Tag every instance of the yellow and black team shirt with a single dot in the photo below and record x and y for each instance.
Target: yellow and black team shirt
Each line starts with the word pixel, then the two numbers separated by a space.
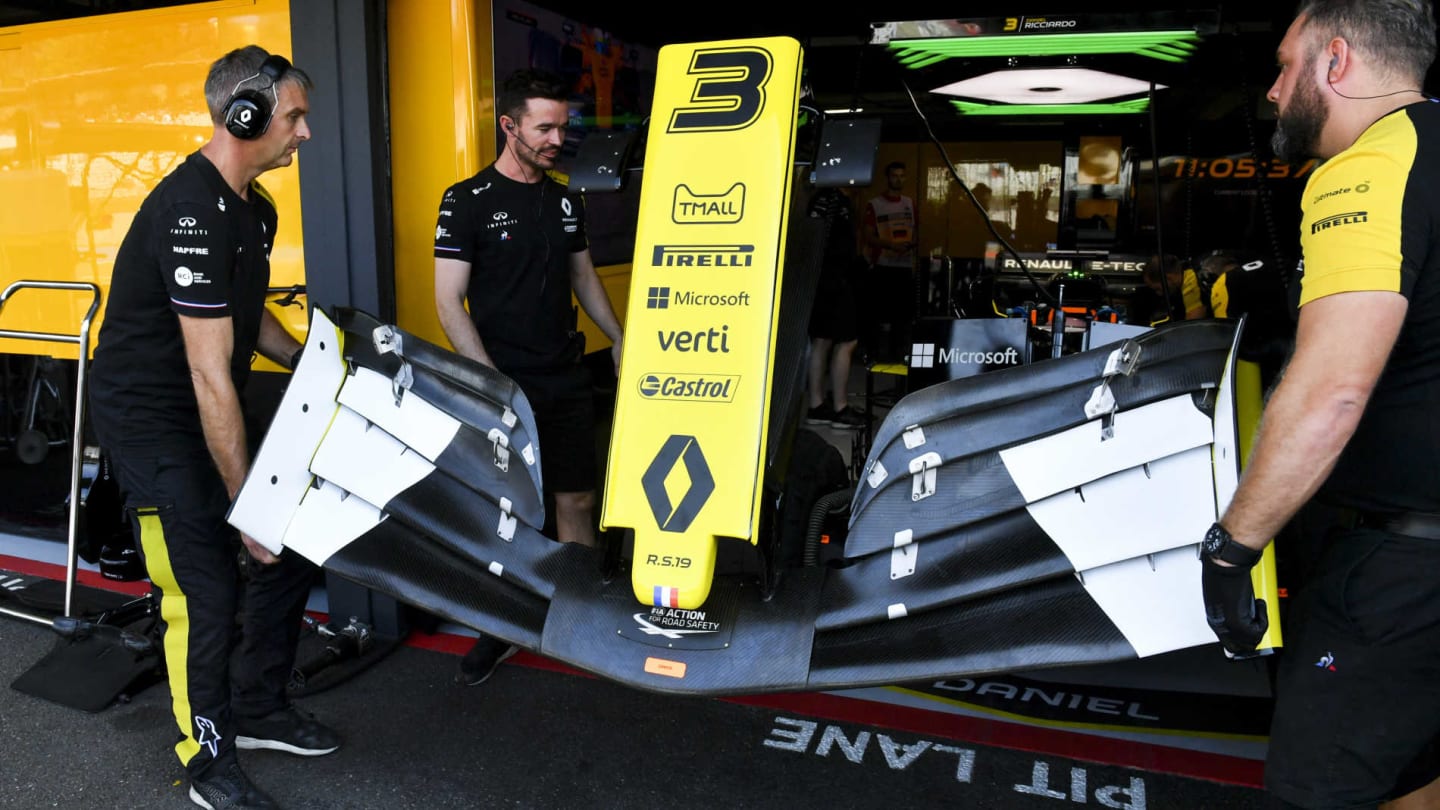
pixel 1371 221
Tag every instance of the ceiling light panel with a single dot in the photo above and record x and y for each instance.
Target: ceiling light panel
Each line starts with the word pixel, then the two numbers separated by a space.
pixel 1046 86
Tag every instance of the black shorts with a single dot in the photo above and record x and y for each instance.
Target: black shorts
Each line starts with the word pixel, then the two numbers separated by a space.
pixel 1358 692
pixel 834 316
pixel 564 407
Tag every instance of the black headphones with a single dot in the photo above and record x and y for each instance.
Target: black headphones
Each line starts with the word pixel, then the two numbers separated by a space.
pixel 249 110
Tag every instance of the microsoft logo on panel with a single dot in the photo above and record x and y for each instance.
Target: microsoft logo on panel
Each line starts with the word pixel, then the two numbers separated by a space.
pixel 922 355
pixel 658 298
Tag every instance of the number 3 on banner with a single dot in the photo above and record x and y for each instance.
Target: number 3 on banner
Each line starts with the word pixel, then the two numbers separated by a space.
pixel 729 90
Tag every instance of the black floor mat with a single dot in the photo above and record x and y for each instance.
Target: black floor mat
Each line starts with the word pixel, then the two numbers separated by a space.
pixel 93 672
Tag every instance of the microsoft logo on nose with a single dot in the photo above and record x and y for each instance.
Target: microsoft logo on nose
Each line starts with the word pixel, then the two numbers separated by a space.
pixel 658 298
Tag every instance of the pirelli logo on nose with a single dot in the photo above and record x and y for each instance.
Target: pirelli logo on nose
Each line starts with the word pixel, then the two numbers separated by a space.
pixel 678 483
pixel 703 255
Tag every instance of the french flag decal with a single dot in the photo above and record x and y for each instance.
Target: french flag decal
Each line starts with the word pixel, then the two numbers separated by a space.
pixel 667 597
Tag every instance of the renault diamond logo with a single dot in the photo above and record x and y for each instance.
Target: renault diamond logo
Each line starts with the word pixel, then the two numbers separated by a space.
pixel 677 483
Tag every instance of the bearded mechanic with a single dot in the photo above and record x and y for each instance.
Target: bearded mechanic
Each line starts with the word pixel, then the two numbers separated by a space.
pixel 1352 421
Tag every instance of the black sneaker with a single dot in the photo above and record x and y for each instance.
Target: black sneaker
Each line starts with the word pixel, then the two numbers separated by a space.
pixel 289 730
pixel 819 415
pixel 479 664
pixel 847 419
pixel 231 789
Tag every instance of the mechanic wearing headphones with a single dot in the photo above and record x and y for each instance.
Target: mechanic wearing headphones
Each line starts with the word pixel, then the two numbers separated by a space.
pixel 1352 421
pixel 186 313
pixel 511 243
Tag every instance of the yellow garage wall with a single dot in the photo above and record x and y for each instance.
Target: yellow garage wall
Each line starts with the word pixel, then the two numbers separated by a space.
pixel 94 112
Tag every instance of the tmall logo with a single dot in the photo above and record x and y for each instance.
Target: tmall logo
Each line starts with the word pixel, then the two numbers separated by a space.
pixel 708 209
pixel 664 298
pixel 677 483
pixel 925 355
pixel 689 387
pixel 703 255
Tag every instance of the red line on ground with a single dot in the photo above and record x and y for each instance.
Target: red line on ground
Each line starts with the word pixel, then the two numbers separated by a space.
pixel 91 579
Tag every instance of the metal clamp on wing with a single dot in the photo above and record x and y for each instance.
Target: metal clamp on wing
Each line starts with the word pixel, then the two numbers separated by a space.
pixel 922 476
pixel 902 558
pixel 506 527
pixel 401 382
pixel 387 340
pixel 500 444
pixel 1122 361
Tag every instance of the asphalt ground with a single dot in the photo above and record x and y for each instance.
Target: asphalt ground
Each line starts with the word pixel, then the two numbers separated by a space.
pixel 533 737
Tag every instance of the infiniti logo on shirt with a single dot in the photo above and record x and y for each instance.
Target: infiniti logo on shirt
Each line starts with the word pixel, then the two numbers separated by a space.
pixel 499 215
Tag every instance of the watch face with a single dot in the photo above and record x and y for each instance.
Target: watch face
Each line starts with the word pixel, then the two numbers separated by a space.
pixel 1214 539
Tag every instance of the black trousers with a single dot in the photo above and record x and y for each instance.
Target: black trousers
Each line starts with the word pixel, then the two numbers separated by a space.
pixel 213 618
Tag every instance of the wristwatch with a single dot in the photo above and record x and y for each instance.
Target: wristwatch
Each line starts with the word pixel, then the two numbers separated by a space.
pixel 1219 545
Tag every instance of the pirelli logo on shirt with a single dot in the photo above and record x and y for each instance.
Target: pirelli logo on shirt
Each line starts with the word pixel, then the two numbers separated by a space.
pixel 1339 220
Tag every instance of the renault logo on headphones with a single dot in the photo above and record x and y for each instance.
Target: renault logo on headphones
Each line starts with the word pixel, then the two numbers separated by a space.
pixel 679 472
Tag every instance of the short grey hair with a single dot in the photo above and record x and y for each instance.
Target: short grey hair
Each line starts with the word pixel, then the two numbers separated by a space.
pixel 1398 35
pixel 230 70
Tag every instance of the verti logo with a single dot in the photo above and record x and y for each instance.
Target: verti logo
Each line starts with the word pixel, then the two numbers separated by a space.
pixel 713 341
pixel 690 208
pixel 702 255
pixel 677 483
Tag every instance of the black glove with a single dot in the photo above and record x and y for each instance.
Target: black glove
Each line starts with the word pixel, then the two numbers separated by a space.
pixel 1237 617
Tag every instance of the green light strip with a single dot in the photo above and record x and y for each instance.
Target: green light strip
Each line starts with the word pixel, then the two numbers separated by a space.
pixel 1117 108
pixel 1169 46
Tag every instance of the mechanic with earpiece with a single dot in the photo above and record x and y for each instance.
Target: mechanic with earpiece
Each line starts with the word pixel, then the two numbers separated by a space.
pixel 510 242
